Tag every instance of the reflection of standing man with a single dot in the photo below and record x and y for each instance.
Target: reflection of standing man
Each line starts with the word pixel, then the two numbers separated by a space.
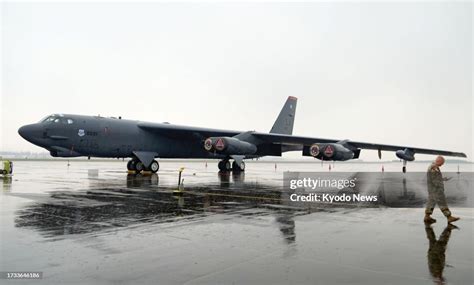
pixel 437 252
pixel 435 182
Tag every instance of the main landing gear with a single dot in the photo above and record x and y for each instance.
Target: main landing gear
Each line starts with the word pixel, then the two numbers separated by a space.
pixel 225 165
pixel 137 165
pixel 404 168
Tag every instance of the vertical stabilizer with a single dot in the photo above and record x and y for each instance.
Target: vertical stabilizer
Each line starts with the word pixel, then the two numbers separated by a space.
pixel 284 122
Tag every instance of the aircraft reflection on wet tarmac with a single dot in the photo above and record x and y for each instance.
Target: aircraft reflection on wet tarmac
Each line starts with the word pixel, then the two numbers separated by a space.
pixel 141 199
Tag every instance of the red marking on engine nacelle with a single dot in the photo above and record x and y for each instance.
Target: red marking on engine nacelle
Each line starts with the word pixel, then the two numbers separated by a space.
pixel 220 145
pixel 329 151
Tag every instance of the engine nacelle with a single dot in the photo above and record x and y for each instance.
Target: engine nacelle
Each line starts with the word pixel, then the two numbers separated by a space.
pixel 330 151
pixel 406 154
pixel 229 145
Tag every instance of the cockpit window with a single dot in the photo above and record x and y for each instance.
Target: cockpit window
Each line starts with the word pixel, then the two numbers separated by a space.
pixel 43 120
pixel 57 119
pixel 48 119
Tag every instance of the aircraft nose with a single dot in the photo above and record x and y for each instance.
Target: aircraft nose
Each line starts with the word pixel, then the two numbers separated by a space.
pixel 23 131
pixel 29 132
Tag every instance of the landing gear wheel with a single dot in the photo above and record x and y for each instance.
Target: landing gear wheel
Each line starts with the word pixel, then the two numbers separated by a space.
pixel 139 166
pixel 237 168
pixel 131 165
pixel 154 166
pixel 404 169
pixel 224 165
pixel 221 165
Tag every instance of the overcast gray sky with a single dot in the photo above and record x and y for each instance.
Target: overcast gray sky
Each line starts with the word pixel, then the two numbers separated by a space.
pixel 397 73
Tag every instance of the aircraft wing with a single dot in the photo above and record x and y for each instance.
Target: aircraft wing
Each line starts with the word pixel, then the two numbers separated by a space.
pixel 287 142
pixel 299 140
pixel 184 132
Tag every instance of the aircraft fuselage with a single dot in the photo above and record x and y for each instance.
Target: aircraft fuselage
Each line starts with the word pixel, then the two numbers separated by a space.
pixel 75 135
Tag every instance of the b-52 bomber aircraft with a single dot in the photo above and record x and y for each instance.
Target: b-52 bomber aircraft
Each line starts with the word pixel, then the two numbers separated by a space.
pixel 94 136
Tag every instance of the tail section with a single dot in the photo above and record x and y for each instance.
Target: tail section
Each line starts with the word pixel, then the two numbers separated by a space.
pixel 284 122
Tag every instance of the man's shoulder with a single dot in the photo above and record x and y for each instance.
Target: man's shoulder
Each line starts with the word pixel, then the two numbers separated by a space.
pixel 433 168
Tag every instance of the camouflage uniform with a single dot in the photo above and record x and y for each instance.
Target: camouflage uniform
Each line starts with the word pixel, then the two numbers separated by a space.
pixel 436 191
pixel 437 251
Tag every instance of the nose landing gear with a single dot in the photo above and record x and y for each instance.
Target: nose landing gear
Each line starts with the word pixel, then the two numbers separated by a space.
pixel 154 166
pixel 131 165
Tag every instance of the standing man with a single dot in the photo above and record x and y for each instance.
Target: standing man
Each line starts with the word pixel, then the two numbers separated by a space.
pixel 436 192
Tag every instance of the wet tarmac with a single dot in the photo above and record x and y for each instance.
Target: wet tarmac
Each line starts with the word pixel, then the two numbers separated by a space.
pixel 91 223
